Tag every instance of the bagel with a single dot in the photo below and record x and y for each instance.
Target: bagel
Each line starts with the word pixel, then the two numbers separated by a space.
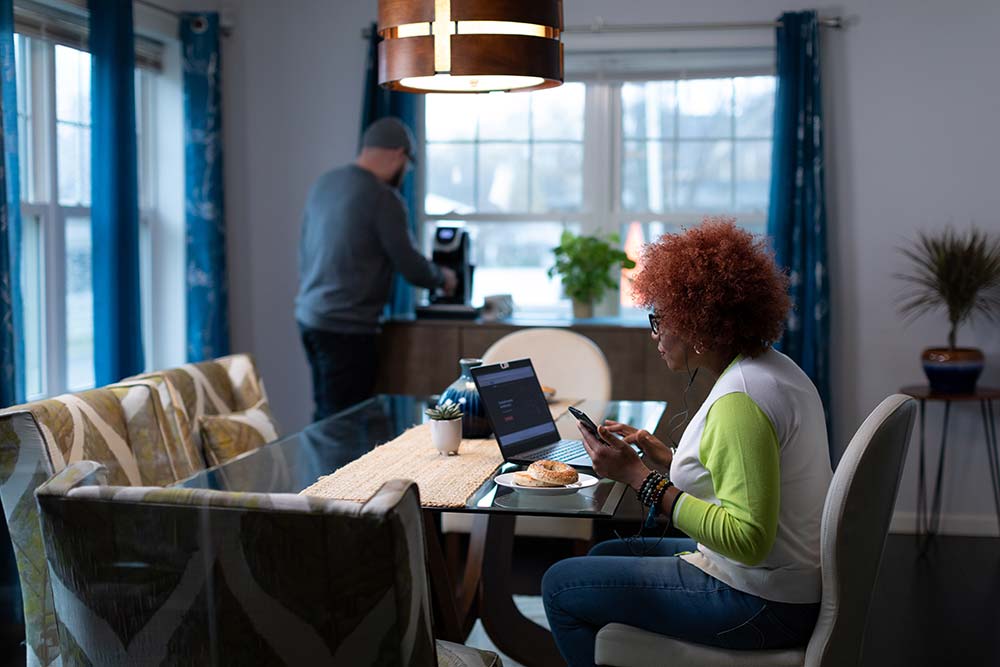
pixel 524 479
pixel 553 473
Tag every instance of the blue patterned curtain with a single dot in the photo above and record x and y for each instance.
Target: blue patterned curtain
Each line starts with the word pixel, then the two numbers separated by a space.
pixel 115 194
pixel 11 331
pixel 797 216
pixel 379 103
pixel 207 291
pixel 11 314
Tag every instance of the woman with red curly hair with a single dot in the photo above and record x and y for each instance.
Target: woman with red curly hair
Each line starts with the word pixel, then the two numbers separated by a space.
pixel 747 481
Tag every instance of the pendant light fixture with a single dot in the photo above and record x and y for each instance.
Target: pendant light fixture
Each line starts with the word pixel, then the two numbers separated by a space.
pixel 470 46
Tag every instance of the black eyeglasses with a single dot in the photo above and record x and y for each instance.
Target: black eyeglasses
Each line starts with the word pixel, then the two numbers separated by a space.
pixel 654 323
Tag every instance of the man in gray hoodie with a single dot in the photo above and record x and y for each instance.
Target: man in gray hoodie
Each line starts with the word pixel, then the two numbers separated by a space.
pixel 354 235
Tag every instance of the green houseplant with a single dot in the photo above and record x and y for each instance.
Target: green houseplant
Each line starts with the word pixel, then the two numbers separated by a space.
pixel 584 263
pixel 959 273
pixel 446 427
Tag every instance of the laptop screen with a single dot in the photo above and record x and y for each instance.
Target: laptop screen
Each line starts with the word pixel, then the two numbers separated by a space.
pixel 514 401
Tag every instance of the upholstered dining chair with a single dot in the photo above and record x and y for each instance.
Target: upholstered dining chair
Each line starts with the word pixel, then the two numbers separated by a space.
pixel 189 393
pixel 855 523
pixel 122 427
pixel 575 367
pixel 156 576
pixel 569 362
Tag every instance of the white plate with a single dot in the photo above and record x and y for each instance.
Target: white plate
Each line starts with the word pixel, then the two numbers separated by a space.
pixel 585 481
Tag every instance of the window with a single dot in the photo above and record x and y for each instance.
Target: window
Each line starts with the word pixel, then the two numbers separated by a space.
pixel 691 148
pixel 637 157
pixel 53 86
pixel 510 168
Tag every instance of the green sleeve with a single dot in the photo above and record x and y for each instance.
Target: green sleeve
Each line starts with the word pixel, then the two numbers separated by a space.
pixel 739 448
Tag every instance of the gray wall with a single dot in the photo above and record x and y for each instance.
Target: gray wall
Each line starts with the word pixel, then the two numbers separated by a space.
pixel 912 143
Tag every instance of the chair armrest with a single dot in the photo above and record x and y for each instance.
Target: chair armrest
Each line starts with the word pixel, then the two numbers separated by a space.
pixel 81 473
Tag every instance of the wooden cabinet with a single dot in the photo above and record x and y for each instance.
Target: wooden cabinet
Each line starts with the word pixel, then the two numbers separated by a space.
pixel 421 357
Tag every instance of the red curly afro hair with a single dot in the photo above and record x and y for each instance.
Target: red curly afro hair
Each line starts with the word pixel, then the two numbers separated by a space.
pixel 715 286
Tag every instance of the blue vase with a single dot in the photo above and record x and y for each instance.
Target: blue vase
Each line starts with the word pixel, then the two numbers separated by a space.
pixel 475 422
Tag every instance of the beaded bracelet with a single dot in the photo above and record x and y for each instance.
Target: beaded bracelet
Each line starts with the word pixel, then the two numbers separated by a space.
pixel 652 488
pixel 647 483
pixel 656 497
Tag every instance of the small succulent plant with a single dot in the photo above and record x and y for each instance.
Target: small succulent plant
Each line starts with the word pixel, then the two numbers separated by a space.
pixel 444 412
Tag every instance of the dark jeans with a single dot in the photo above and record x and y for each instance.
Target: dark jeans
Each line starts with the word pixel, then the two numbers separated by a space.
pixel 664 594
pixel 343 368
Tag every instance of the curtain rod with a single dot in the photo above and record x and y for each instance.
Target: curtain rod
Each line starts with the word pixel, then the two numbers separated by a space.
pixel 599 26
pixel 225 30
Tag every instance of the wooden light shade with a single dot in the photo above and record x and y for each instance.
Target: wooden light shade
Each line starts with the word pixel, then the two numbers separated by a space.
pixel 470 46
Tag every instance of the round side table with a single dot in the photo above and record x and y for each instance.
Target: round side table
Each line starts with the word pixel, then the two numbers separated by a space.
pixel 927 523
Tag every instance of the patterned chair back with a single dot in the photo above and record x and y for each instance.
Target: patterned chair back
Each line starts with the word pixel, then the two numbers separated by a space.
pixel 121 427
pixel 189 392
pixel 147 576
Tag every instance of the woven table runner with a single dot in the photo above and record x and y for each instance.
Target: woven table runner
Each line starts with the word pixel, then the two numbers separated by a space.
pixel 444 481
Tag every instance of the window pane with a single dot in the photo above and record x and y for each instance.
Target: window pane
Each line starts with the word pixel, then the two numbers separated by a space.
pixel 69 142
pixel 503 179
pixel 705 107
pixel 79 306
pixel 24 122
pixel 649 109
pixel 557 113
pixel 72 85
pixel 635 236
pixel 450 187
pixel 704 175
pixel 514 258
pixel 72 125
pixel 753 174
pixel 557 177
pixel 85 145
pixel 32 291
pixel 451 117
pixel 503 116
pixel 647 176
pixel 754 106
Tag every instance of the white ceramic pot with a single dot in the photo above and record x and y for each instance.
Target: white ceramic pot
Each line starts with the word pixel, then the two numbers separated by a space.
pixel 446 434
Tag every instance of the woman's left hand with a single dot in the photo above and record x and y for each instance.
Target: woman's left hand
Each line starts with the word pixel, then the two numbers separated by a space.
pixel 613 458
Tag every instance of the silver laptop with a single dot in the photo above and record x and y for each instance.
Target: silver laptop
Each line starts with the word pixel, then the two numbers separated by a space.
pixel 522 423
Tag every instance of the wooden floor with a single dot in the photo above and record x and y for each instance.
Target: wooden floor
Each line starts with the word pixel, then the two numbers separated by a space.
pixel 942 609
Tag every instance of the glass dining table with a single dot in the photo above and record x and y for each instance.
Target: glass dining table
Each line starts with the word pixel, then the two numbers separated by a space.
pixel 295 462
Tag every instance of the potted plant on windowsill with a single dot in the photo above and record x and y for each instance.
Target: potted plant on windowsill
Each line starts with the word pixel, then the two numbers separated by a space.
pixel 584 263
pixel 446 427
pixel 960 273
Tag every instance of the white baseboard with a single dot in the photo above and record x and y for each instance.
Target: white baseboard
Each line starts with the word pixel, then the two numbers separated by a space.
pixel 968 525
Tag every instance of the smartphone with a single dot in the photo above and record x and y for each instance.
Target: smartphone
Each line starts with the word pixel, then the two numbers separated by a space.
pixel 587 422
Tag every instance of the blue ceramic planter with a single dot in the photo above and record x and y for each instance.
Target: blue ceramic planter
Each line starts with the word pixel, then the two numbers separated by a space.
pixel 953 371
pixel 475 422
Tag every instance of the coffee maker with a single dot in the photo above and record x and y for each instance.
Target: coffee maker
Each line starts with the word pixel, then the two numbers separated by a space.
pixel 451 250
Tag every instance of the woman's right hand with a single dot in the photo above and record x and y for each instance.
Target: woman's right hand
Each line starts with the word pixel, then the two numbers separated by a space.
pixel 656 452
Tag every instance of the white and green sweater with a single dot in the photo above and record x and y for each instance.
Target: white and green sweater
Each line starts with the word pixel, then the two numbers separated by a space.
pixel 755 469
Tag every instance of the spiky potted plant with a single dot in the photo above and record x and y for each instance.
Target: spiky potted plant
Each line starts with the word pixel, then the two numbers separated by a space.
pixel 584 263
pixel 960 273
pixel 446 427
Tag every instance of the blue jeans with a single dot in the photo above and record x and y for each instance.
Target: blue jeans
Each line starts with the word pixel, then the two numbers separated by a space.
pixel 661 593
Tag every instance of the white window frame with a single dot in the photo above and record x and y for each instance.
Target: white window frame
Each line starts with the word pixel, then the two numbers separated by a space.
pixel 42 202
pixel 601 210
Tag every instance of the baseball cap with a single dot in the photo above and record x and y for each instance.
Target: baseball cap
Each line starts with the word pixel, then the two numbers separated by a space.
pixel 390 132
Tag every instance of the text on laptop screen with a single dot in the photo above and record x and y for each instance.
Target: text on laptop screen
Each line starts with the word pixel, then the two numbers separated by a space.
pixel 517 405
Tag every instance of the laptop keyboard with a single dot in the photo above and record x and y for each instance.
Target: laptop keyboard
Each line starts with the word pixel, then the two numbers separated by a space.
pixel 561 451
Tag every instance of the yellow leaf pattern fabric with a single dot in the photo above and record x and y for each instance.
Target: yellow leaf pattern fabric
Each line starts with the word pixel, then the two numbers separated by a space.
pixel 227 436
